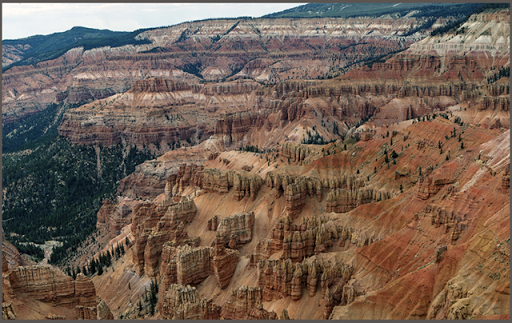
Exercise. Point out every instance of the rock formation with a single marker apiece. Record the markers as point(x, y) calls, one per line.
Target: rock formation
point(280, 278)
point(183, 303)
point(239, 224)
point(240, 303)
point(429, 186)
point(153, 225)
point(48, 285)
point(213, 223)
point(186, 265)
point(116, 216)
point(259, 313)
point(149, 178)
point(244, 183)
point(51, 286)
point(224, 263)
point(343, 200)
point(99, 312)
point(295, 152)
point(187, 175)
point(8, 312)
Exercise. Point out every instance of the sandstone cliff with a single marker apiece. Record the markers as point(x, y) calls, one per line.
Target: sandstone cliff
point(49, 285)
point(184, 303)
point(245, 184)
point(153, 225)
point(239, 225)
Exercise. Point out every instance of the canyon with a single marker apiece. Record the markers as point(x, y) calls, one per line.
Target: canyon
point(381, 192)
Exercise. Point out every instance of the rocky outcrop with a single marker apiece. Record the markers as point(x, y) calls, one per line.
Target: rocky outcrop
point(233, 127)
point(116, 216)
point(429, 186)
point(295, 152)
point(183, 303)
point(149, 178)
point(213, 223)
point(264, 249)
point(183, 211)
point(153, 225)
point(446, 217)
point(8, 312)
point(331, 298)
point(48, 285)
point(193, 265)
point(217, 180)
point(105, 211)
point(51, 286)
point(505, 181)
point(343, 200)
point(495, 103)
point(187, 265)
point(99, 312)
point(312, 185)
point(259, 313)
point(245, 184)
point(85, 291)
point(295, 194)
point(126, 123)
point(224, 263)
point(298, 241)
point(240, 225)
point(275, 278)
point(86, 313)
point(241, 301)
point(103, 311)
point(187, 175)
point(300, 244)
point(280, 278)
point(80, 94)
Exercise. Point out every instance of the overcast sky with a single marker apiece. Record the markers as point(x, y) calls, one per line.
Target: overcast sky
point(26, 19)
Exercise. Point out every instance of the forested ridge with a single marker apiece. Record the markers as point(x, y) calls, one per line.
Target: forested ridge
point(54, 191)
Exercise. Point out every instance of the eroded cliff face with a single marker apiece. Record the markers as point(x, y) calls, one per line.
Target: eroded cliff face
point(184, 303)
point(273, 50)
point(151, 177)
point(352, 207)
point(425, 80)
point(465, 59)
point(24, 286)
point(153, 225)
point(382, 224)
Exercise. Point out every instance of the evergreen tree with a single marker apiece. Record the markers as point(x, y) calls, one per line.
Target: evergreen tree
point(100, 270)
point(92, 267)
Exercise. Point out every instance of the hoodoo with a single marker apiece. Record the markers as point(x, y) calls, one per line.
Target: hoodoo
point(330, 161)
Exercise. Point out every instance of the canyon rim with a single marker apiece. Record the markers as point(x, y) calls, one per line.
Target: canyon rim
point(328, 161)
